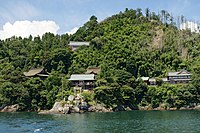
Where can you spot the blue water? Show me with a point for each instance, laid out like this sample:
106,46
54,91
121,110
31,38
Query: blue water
127,122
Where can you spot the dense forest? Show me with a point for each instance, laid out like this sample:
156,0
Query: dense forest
125,46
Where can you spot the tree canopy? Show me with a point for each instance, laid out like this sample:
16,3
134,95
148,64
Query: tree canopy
126,46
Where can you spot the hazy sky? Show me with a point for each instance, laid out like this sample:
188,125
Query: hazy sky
61,16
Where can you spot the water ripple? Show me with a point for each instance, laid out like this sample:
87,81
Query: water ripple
133,121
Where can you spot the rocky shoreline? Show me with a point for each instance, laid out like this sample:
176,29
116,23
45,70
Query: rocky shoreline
162,108
76,104
60,108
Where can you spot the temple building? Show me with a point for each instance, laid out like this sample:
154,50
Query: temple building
179,77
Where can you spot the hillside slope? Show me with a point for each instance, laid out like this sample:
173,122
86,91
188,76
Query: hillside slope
126,46
139,45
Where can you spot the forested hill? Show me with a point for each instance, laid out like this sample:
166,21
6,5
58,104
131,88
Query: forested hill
126,46
143,45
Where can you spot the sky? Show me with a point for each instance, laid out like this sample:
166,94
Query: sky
35,17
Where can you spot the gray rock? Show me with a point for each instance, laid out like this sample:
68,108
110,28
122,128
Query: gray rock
127,108
3,106
197,107
172,109
57,109
97,108
147,108
183,108
71,97
77,102
56,106
119,108
66,110
159,108
12,108
45,112
60,109
75,110
83,104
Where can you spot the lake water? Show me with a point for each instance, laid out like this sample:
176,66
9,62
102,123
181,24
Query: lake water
123,122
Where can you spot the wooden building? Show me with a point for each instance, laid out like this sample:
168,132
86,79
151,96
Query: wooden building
85,81
179,77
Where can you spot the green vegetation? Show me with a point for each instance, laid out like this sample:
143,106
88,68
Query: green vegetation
19,55
126,46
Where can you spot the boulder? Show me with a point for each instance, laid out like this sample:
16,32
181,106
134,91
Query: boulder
71,98
57,106
172,109
66,110
159,108
85,108
45,112
185,108
128,109
98,108
57,109
197,107
145,108
60,109
75,110
119,108
76,102
2,107
11,108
